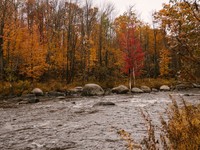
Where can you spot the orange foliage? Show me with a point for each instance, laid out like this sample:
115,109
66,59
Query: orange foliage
164,62
23,51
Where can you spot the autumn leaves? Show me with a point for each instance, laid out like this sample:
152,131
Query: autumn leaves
71,41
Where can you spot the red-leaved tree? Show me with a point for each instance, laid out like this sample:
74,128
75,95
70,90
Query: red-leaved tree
133,54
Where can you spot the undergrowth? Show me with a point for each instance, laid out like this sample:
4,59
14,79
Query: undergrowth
23,87
183,128
180,132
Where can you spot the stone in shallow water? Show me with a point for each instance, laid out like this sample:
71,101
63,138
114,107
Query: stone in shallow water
92,90
196,85
165,88
146,89
33,100
61,97
37,92
54,93
120,89
154,90
104,104
136,90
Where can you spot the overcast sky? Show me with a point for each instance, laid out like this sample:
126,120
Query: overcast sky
143,7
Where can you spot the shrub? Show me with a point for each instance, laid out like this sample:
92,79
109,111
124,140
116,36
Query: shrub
183,128
181,132
15,88
155,83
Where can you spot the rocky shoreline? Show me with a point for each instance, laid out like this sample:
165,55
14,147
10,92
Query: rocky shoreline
38,95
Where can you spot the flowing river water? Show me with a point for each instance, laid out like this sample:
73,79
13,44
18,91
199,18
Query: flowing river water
76,124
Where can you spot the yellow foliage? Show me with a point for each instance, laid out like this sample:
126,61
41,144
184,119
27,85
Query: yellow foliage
93,57
164,62
22,50
183,129
34,64
131,145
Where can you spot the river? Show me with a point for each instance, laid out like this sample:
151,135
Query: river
76,124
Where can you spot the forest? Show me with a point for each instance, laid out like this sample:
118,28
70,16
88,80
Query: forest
56,45
76,42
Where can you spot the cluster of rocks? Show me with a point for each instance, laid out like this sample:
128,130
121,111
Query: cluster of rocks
143,89
96,90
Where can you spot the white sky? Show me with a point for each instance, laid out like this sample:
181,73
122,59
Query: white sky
144,8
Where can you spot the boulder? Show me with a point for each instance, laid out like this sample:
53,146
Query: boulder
120,89
154,90
164,88
33,100
37,92
196,85
79,89
136,90
28,98
108,91
92,90
146,89
76,90
24,96
183,86
61,97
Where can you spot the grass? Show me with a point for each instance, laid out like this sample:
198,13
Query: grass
155,83
183,128
130,143
24,87
180,132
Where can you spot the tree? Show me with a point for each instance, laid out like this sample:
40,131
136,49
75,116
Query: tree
133,55
6,13
182,26
87,49
130,45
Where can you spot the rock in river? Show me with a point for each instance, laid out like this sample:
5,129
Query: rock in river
146,89
92,90
104,104
120,89
136,90
54,93
165,88
37,92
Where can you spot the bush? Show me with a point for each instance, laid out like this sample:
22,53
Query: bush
181,132
14,88
155,83
183,128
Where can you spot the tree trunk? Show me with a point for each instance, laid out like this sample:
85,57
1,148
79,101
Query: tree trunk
2,24
156,67
1,59
134,82
100,42
130,79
